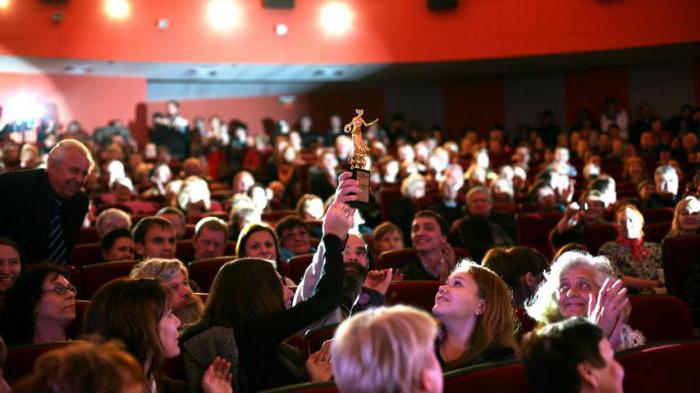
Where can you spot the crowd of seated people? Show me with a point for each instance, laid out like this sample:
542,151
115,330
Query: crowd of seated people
203,190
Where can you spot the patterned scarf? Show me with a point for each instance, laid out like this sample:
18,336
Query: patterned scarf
639,252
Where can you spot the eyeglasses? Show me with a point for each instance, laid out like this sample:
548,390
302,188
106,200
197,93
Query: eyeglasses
61,290
293,235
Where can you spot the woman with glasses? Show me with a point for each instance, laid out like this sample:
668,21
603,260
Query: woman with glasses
39,306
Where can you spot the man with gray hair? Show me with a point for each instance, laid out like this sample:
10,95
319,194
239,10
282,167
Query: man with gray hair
172,273
665,188
42,210
111,219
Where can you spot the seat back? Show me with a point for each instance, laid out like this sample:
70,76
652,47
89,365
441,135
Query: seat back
662,368
655,232
532,229
661,318
680,260
596,235
74,330
86,254
420,294
204,271
660,214
396,259
95,276
315,338
20,360
507,376
87,235
297,266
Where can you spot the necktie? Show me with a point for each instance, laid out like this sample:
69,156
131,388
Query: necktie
57,245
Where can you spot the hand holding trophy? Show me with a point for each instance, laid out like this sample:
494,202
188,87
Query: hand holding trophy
358,160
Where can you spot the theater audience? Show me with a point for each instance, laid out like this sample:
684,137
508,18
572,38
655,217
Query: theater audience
402,210
117,245
246,300
637,261
387,237
85,367
686,218
194,198
154,237
174,277
310,207
242,216
571,356
521,268
210,238
111,219
39,306
434,256
402,339
139,314
580,285
476,318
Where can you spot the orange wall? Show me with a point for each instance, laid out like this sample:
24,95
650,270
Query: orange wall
91,100
383,31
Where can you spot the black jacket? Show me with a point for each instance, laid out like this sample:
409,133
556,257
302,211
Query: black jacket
25,198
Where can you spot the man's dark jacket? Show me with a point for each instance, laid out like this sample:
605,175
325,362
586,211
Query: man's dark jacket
25,208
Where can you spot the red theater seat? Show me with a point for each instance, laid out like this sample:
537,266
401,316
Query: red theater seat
272,216
655,232
87,235
420,294
387,196
20,360
204,271
500,377
74,330
596,235
661,214
297,266
185,249
85,254
315,338
662,368
661,318
396,259
95,276
533,229
680,260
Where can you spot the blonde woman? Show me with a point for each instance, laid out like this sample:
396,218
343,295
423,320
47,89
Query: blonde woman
686,218
387,349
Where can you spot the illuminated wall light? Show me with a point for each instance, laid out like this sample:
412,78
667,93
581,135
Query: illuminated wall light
117,9
336,18
4,3
223,15
24,106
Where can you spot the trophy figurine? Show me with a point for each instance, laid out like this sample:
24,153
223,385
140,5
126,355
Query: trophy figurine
358,160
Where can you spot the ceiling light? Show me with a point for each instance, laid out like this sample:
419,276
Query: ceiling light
223,15
4,3
336,18
117,9
281,29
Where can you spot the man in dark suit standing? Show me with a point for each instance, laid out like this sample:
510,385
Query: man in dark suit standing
42,210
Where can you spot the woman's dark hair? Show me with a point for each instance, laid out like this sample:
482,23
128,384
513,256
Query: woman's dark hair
247,232
513,263
108,240
243,291
6,241
552,354
130,311
21,300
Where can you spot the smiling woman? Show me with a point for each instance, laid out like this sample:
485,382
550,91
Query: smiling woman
582,285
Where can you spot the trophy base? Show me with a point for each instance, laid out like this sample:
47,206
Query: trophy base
362,176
